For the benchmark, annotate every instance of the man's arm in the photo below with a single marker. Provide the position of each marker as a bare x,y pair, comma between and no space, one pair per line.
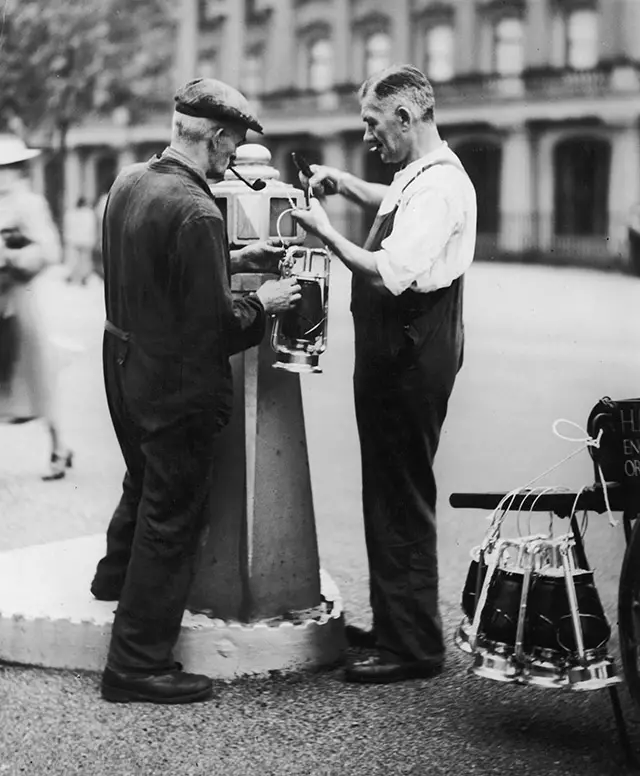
357,259
210,313
367,195
260,256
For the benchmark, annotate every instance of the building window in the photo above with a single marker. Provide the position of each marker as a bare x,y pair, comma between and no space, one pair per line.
252,75
582,40
377,53
509,47
439,50
320,65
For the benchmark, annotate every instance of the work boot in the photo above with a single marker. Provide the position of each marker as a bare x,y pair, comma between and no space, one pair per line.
172,686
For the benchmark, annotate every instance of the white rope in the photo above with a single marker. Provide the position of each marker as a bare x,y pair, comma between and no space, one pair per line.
497,519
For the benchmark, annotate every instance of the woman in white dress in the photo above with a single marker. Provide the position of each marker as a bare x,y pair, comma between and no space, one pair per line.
29,242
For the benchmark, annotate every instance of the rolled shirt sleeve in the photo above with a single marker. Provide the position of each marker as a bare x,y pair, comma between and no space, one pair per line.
415,251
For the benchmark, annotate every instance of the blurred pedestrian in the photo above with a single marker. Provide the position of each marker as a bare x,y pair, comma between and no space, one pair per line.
407,312
80,238
29,243
171,327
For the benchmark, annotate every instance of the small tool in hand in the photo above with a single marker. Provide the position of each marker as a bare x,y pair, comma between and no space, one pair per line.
327,186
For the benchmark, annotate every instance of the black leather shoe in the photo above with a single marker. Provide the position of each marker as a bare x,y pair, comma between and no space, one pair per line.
359,637
378,671
175,686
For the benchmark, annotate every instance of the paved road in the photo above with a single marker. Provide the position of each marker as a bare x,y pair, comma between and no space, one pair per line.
542,344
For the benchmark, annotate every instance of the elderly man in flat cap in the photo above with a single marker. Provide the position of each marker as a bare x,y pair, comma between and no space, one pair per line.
171,326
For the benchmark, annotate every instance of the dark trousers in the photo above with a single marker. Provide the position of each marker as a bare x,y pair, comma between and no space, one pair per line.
152,538
400,409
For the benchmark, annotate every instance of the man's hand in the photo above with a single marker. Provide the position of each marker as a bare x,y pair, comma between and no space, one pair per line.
314,219
325,180
263,256
277,296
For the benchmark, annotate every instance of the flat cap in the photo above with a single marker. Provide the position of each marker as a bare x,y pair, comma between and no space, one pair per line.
208,98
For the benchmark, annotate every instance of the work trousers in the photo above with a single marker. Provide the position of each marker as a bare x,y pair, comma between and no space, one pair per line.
153,535
406,362
399,414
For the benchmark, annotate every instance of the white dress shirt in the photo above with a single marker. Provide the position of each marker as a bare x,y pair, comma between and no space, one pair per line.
434,230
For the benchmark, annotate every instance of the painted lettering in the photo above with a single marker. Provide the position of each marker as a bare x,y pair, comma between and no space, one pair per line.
630,421
632,467
631,446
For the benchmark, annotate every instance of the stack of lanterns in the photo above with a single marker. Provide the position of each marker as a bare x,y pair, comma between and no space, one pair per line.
533,616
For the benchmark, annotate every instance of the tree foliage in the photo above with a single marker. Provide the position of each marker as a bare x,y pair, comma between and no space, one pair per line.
62,60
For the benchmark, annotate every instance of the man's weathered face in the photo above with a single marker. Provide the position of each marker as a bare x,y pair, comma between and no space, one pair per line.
384,131
222,150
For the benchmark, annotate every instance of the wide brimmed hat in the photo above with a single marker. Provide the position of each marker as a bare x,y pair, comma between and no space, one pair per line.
14,150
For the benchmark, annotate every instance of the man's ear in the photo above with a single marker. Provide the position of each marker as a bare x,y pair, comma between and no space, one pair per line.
404,115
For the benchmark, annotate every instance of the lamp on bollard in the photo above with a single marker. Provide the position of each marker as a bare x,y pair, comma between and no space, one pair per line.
257,206
300,335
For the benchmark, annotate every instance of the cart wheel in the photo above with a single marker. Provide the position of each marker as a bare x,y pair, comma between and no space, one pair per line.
629,614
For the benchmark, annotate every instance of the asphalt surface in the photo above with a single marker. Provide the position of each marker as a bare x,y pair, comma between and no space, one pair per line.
542,344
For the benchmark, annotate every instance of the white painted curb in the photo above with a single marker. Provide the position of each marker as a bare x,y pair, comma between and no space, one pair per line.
48,618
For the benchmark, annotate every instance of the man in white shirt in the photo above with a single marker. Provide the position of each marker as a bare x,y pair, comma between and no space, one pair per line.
407,311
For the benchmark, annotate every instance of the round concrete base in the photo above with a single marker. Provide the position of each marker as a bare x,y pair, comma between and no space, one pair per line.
49,618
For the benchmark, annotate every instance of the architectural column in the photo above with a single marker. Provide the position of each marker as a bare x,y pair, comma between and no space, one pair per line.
544,190
516,191
624,184
90,178
334,151
280,60
630,24
126,156
232,54
402,30
72,178
537,39
342,41
37,175
466,51
610,29
187,41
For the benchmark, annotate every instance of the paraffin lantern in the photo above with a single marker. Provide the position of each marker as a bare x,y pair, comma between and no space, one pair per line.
300,335
253,200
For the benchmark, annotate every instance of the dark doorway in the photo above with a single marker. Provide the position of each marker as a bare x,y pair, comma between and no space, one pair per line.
483,160
106,171
582,167
53,186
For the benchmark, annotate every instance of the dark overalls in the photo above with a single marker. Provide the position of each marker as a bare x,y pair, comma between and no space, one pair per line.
408,350
172,325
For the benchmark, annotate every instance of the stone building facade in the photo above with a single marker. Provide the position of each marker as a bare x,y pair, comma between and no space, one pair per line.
540,98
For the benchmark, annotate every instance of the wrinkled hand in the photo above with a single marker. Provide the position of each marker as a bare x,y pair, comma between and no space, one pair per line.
325,180
314,218
263,256
277,296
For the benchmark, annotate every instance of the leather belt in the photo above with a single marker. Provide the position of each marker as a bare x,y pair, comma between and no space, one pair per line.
125,336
